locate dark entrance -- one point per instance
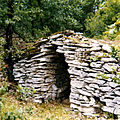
(62, 77)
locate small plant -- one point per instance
(110, 116)
(102, 76)
(2, 90)
(4, 87)
(113, 30)
(95, 58)
(0, 106)
(12, 116)
(30, 110)
(115, 53)
(116, 78)
(24, 93)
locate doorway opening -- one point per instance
(62, 77)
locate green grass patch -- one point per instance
(12, 109)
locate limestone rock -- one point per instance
(54, 87)
(37, 101)
(107, 48)
(116, 99)
(117, 93)
(56, 36)
(95, 65)
(77, 84)
(84, 92)
(105, 89)
(94, 86)
(113, 84)
(95, 48)
(108, 60)
(117, 111)
(108, 109)
(109, 68)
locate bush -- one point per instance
(24, 93)
(108, 14)
(113, 31)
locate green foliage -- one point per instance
(110, 116)
(23, 14)
(30, 110)
(13, 110)
(65, 14)
(2, 54)
(3, 88)
(95, 58)
(106, 15)
(102, 76)
(115, 53)
(24, 93)
(117, 78)
(113, 31)
(34, 19)
(15, 115)
(29, 20)
(95, 26)
(9, 112)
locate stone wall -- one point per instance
(68, 64)
(46, 72)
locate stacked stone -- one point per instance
(62, 75)
(69, 63)
(44, 72)
(38, 72)
(87, 88)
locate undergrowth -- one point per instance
(12, 109)
(15, 105)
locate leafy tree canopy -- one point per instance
(107, 14)
(29, 20)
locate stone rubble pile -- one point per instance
(70, 64)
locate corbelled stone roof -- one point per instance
(69, 64)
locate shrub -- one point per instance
(24, 93)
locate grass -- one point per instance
(11, 108)
(35, 111)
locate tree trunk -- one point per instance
(8, 46)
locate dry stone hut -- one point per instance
(68, 65)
